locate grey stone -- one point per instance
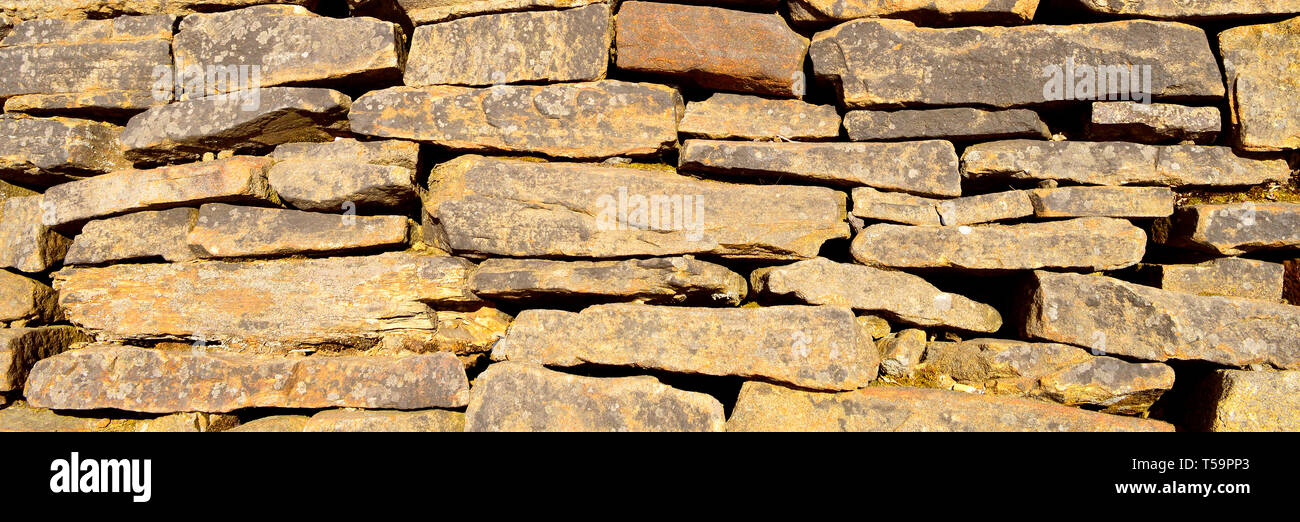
(1126, 202)
(650, 281)
(48, 151)
(140, 235)
(1154, 123)
(956, 124)
(1226, 277)
(1233, 229)
(222, 230)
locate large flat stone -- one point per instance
(767, 407)
(956, 124)
(811, 347)
(1258, 60)
(1193, 9)
(346, 174)
(222, 230)
(1126, 202)
(893, 63)
(27, 243)
(1119, 163)
(1252, 401)
(516, 208)
(141, 235)
(28, 300)
(1154, 123)
(1233, 229)
(386, 421)
(269, 306)
(239, 179)
(712, 47)
(48, 151)
(394, 153)
(1145, 323)
(578, 120)
(651, 281)
(1226, 277)
(965, 12)
(898, 296)
(81, 9)
(1085, 243)
(122, 377)
(725, 116)
(537, 46)
(430, 11)
(919, 167)
(21, 417)
(916, 210)
(20, 348)
(525, 398)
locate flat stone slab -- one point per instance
(898, 296)
(110, 105)
(1086, 243)
(1252, 401)
(712, 47)
(872, 204)
(47, 151)
(340, 186)
(489, 206)
(767, 407)
(575, 120)
(519, 397)
(1257, 60)
(386, 421)
(811, 347)
(114, 376)
(27, 243)
(394, 153)
(882, 63)
(222, 230)
(1233, 229)
(956, 124)
(239, 179)
(1226, 277)
(79, 9)
(651, 281)
(24, 299)
(1119, 163)
(964, 12)
(273, 424)
(21, 417)
(141, 235)
(20, 348)
(571, 45)
(928, 168)
(430, 11)
(266, 306)
(1154, 123)
(1126, 202)
(727, 116)
(1193, 10)
(1150, 324)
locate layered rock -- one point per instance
(21, 417)
(81, 9)
(430, 11)
(346, 174)
(1119, 163)
(1257, 60)
(1251, 401)
(1193, 10)
(972, 12)
(578, 120)
(1233, 229)
(1154, 123)
(1226, 277)
(811, 347)
(222, 230)
(20, 348)
(386, 421)
(394, 153)
(956, 124)
(650, 281)
(48, 151)
(27, 243)
(29, 300)
(1127, 202)
(522, 397)
(916, 210)
(514, 208)
(140, 235)
(727, 116)
(768, 407)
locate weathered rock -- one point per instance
(29, 300)
(1226, 277)
(966, 12)
(878, 327)
(1154, 123)
(1233, 229)
(537, 46)
(577, 120)
(530, 209)
(1056, 372)
(1252, 401)
(47, 151)
(22, 417)
(518, 397)
(1127, 202)
(956, 124)
(918, 167)
(915, 210)
(651, 281)
(893, 63)
(896, 207)
(122, 377)
(1119, 163)
(287, 47)
(245, 121)
(20, 348)
(238, 179)
(713, 47)
(430, 11)
(340, 186)
(273, 424)
(97, 105)
(898, 296)
(81, 9)
(270, 306)
(812, 347)
(1258, 61)
(1193, 9)
(767, 407)
(26, 241)
(394, 153)
(141, 235)
(1085, 243)
(1150, 324)
(463, 332)
(725, 116)
(900, 353)
(232, 231)
(386, 421)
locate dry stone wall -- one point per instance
(602, 215)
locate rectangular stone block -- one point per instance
(1233, 229)
(1126, 202)
(672, 280)
(27, 243)
(222, 230)
(431, 11)
(726, 116)
(20, 348)
(947, 12)
(386, 421)
(956, 124)
(1226, 277)
(48, 151)
(1257, 60)
(1251, 401)
(1119, 163)
(1193, 10)
(136, 236)
(27, 300)
(80, 9)
(1153, 123)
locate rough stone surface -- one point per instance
(140, 235)
(222, 230)
(1150, 324)
(1226, 277)
(973, 12)
(271, 306)
(811, 347)
(576, 120)
(1084, 243)
(340, 186)
(1154, 123)
(727, 116)
(393, 153)
(21, 417)
(956, 124)
(1193, 9)
(915, 210)
(898, 296)
(921, 167)
(525, 398)
(166, 381)
(29, 300)
(47, 151)
(893, 63)
(1127, 202)
(767, 407)
(81, 9)
(1119, 163)
(354, 421)
(430, 11)
(1259, 61)
(27, 243)
(536, 46)
(712, 47)
(1233, 229)
(273, 424)
(530, 209)
(20, 348)
(900, 353)
(650, 281)
(1253, 401)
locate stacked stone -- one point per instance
(465, 215)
